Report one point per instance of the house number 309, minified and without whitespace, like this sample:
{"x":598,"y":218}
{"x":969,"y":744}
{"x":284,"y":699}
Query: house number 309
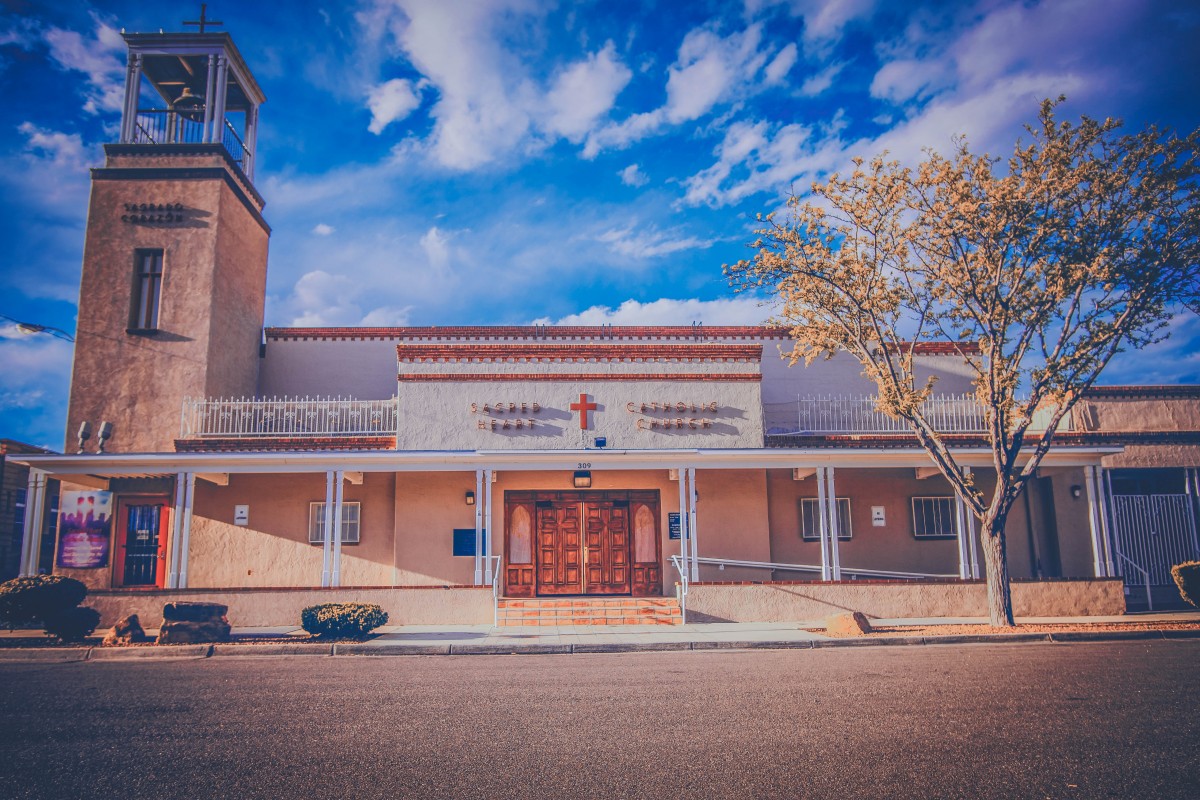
{"x":584,"y":465}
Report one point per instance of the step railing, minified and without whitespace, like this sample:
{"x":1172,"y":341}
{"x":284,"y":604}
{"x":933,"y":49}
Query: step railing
{"x":681,"y":588}
{"x":495,"y":590}
{"x":1145,"y":579}
{"x":721,"y":563}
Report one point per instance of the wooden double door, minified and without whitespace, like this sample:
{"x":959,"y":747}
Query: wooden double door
{"x":582,"y":543}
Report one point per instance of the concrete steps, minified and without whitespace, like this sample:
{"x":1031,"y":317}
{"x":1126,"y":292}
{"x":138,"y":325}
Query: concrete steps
{"x":591,"y":611}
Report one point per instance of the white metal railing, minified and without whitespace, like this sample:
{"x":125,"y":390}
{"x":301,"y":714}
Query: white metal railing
{"x":163,"y":126}
{"x":721,"y":563}
{"x":681,"y":588}
{"x":1155,"y":531}
{"x":308,"y":416}
{"x":1145,"y":579}
{"x":495,"y":591}
{"x":860,"y":414}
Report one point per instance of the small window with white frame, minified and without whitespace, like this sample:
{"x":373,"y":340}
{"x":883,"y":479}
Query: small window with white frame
{"x":810,"y":519}
{"x":351,"y":513}
{"x":933,"y":517}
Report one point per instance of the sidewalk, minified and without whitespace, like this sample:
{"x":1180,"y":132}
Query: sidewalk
{"x":485,"y":639}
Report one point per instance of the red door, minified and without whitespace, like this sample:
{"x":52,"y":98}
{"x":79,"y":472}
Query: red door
{"x":141,"y":555}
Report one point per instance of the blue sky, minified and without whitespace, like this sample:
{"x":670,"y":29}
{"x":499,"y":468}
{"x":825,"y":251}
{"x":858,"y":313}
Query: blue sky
{"x":513,"y":161}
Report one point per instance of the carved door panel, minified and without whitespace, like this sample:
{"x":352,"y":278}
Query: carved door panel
{"x":559,"y":548}
{"x":518,"y":550}
{"x":647,"y":547}
{"x":606,"y":547}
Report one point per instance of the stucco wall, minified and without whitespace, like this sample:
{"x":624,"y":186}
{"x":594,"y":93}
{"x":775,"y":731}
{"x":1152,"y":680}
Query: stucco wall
{"x":813,"y":601}
{"x":439,"y":415}
{"x":138,"y":382}
{"x":276,"y":607}
{"x":273,"y":550}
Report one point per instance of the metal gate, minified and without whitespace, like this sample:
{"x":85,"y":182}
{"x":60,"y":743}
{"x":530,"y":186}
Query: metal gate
{"x":1155,"y":532}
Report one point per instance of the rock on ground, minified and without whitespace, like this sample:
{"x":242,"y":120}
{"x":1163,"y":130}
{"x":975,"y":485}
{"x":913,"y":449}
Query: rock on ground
{"x":854,"y":624}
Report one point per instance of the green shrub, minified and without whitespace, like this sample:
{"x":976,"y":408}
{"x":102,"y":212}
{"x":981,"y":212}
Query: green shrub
{"x":24,"y":601}
{"x":1187,"y":578}
{"x":73,"y":624}
{"x":353,"y":620}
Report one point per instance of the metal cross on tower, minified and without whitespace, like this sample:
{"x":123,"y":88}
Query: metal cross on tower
{"x":204,"y":20}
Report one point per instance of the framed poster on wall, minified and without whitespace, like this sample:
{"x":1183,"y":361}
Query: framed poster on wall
{"x":84,"y":529}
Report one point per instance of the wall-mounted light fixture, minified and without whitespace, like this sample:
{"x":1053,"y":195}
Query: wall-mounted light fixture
{"x":103,"y":435}
{"x":470,"y":496}
{"x":1077,"y":491}
{"x":85,"y":433}
{"x":583,"y":479}
{"x":601,"y":441}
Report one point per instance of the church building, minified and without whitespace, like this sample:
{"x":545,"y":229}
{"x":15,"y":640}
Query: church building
{"x":480,"y":474}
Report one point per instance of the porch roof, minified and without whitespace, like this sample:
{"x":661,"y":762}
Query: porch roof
{"x":106,"y":465}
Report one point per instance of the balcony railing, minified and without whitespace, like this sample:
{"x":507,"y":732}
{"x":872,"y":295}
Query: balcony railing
{"x":160,"y":126}
{"x":291,"y":417}
{"x":832,"y":414}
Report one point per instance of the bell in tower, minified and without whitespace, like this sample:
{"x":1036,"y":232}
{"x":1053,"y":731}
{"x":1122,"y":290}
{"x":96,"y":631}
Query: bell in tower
{"x":175,"y":256}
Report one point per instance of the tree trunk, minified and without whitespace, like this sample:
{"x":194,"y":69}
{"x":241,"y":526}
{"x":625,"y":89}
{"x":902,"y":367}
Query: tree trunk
{"x":999,"y":595}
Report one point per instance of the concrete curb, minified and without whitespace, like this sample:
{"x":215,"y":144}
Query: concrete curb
{"x":62,"y":655}
{"x":156,"y":652}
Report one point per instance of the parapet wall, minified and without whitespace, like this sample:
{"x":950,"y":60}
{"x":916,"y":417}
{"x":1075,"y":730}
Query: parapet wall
{"x":423,"y":605}
{"x":793,"y":602}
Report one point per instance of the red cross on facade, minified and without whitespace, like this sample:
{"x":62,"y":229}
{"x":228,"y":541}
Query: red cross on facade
{"x":583,"y":407}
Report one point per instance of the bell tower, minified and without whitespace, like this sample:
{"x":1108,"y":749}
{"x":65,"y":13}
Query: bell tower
{"x":175,"y":255}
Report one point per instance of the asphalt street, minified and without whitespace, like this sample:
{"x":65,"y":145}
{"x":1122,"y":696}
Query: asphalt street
{"x":972,"y":721}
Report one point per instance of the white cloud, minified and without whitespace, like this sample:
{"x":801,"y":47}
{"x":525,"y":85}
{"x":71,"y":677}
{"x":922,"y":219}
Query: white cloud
{"x":817,"y":83}
{"x":731,"y":311}
{"x":60,"y":150}
{"x":633,"y":176}
{"x":100,"y":57}
{"x":709,"y":70}
{"x":824,"y":20}
{"x":648,"y":243}
{"x":585,"y":92}
{"x":436,"y":245}
{"x":781,"y":64}
{"x":386,"y":317}
{"x":37,"y":374}
{"x":391,"y":101}
{"x":321,"y":229}
{"x":489,"y":107}
{"x":320,"y":299}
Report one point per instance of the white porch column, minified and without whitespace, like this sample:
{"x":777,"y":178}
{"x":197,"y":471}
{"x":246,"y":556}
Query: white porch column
{"x":209,"y":89}
{"x":480,"y":502}
{"x":327,"y":533}
{"x":1106,"y":529}
{"x":133,"y":85}
{"x":222,"y":84}
{"x":1095,"y":520}
{"x":692,"y":527}
{"x":487,"y":528}
{"x":251,"y":141}
{"x":683,"y":528}
{"x":189,"y":494}
{"x":823,"y":527}
{"x":31,"y":539}
{"x":173,"y":550}
{"x":972,"y":536}
{"x":335,"y":577}
{"x":835,"y":555}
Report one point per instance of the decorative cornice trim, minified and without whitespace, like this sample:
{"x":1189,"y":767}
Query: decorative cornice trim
{"x":571,"y":377}
{"x":628,"y":351}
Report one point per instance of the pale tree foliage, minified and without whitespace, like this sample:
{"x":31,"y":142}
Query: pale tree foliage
{"x":1037,"y":271}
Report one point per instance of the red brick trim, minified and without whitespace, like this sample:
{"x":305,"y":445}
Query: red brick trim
{"x":271,"y":444}
{"x":1063,"y":439}
{"x":1142,"y":392}
{"x":525,"y":351}
{"x":260,"y":589}
{"x":565,"y":377}
{"x":546,"y":332}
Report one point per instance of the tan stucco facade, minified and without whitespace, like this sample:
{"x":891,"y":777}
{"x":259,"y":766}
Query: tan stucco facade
{"x":212,"y":295}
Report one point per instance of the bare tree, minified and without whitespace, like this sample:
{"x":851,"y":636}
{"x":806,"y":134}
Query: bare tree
{"x":1085,"y":246}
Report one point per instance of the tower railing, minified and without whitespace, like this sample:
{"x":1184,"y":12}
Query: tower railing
{"x":283,"y":416}
{"x":163,"y":126}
